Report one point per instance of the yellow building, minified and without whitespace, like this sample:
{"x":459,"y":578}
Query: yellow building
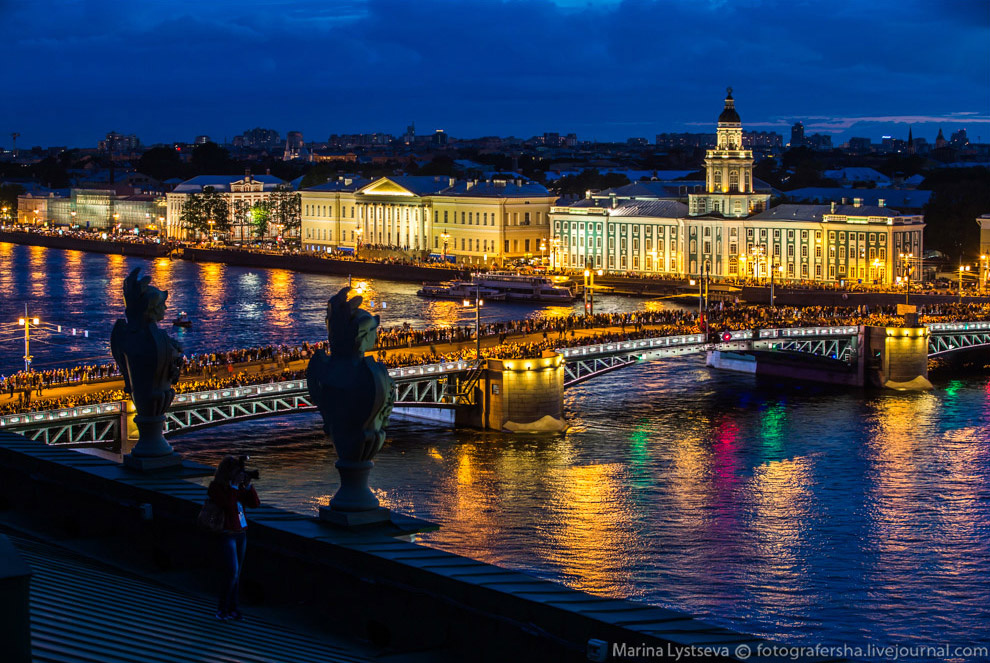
{"x":470,"y":221}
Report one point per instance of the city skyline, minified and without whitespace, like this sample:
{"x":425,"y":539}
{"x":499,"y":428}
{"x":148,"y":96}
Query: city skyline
{"x":606,"y":70}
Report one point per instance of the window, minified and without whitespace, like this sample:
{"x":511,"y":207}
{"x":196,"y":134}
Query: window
{"x":506,"y":246}
{"x":445,"y":216}
{"x":776,"y":234}
{"x":818,"y":253}
{"x":804,"y":250}
{"x":470,"y":218}
{"x":708,"y":247}
{"x":462,"y":218}
{"x":526,"y":219}
{"x":611,"y":262}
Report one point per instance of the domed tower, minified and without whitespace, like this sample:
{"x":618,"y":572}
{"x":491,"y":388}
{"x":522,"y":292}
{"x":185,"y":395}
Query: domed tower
{"x":728,"y":172}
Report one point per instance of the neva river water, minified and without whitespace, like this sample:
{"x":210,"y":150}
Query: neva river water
{"x":802,"y":513}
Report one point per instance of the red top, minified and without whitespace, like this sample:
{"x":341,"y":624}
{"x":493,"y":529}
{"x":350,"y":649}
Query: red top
{"x":227,"y":497}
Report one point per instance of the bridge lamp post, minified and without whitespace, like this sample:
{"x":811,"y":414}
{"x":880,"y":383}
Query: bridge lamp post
{"x":26,"y":322}
{"x":907,"y":268}
{"x":478,"y":303}
{"x":877,"y":268}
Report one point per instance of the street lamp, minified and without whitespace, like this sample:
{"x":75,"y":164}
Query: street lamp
{"x":983,"y":272}
{"x":211,"y":222}
{"x":555,"y":253}
{"x":26,"y":322}
{"x":773,"y":269}
{"x":877,"y":271}
{"x":907,"y":268}
{"x":589,"y":290}
{"x":444,"y":237}
{"x":962,"y":269}
{"x":478,"y":303}
{"x":357,"y":248}
{"x":73,"y":215}
{"x":742,"y":266}
{"x":543,"y":251}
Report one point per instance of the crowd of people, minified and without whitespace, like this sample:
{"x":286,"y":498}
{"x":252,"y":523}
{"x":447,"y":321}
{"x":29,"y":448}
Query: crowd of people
{"x":218,"y":370}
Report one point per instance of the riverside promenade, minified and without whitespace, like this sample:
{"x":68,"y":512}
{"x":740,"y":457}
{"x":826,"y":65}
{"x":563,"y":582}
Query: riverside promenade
{"x":365,"y":590}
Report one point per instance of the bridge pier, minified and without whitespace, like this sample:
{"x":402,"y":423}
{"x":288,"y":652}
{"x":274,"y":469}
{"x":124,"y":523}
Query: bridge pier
{"x":789,"y":366}
{"x":898,"y":358}
{"x":518,"y":395}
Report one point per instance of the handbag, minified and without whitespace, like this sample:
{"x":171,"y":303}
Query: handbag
{"x":211,"y":517}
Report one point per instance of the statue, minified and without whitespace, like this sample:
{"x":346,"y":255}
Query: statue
{"x":150,"y":361}
{"x":354,"y":394}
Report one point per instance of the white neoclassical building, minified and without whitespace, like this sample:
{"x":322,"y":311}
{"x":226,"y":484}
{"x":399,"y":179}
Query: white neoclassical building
{"x":248,"y":189}
{"x":726,"y":230}
{"x":472,"y":221}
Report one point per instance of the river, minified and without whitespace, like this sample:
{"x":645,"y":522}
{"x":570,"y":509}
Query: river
{"x":810,"y":515}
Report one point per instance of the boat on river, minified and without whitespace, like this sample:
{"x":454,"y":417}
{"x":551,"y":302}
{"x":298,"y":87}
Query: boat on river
{"x":182,"y":320}
{"x":497,"y":286}
{"x":459,"y":290}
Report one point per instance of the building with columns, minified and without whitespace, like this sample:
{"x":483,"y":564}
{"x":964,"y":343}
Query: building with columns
{"x":469,"y":221}
{"x":726,"y":231}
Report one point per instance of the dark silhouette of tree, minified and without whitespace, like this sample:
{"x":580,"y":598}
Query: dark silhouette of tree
{"x":589,"y":179}
{"x":162,"y":163}
{"x":8,"y":198}
{"x":211,"y":159}
{"x":959,"y":196}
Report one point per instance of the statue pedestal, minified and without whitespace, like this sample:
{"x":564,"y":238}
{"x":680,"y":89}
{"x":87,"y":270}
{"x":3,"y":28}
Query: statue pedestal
{"x":354,"y":518}
{"x":152,"y":451}
{"x":150,"y":464}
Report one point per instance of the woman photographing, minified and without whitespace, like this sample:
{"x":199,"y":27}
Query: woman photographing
{"x":231,"y":490}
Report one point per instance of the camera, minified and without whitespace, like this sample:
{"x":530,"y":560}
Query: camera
{"x":252,"y":475}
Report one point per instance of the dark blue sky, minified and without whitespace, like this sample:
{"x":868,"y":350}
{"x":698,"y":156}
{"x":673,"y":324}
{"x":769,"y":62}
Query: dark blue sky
{"x":607,"y":69}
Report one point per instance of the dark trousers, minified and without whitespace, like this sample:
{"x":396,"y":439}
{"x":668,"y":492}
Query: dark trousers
{"x":232,"y":549}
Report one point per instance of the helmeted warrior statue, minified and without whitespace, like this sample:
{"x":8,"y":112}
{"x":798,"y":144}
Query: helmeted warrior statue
{"x":150,"y":361}
{"x":354,"y":394}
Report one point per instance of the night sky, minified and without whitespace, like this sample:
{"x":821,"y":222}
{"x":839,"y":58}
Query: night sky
{"x":604,"y":69}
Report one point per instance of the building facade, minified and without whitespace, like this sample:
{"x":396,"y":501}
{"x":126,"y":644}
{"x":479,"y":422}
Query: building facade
{"x":99,"y":209}
{"x":240,"y":192}
{"x":726,"y":231}
{"x":469,"y":221}
{"x":728,"y":172}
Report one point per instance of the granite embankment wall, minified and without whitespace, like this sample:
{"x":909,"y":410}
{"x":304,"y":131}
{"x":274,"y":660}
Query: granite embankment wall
{"x":367,"y":583}
{"x":81,"y":244}
{"x":318,"y":265}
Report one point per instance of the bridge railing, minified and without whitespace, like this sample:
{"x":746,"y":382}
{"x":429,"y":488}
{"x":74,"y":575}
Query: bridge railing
{"x":430,"y":370}
{"x":63,"y":415}
{"x":633,"y":345}
{"x":958,"y":326}
{"x":801,"y":332}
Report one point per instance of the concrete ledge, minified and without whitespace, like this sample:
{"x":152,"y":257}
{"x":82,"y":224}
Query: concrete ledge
{"x":369,"y":583}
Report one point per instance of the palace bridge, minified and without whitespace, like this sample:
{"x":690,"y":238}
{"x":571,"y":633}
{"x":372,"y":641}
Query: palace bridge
{"x":839,"y":355}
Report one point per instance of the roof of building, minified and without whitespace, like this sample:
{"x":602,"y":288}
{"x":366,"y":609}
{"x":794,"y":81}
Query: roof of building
{"x":856,"y":174}
{"x":653,"y":189}
{"x":421,"y":185}
{"x":341,"y":184}
{"x":667,"y":209}
{"x":222,"y":182}
{"x":729,"y":113}
{"x":909,"y":198}
{"x":791,"y":212}
{"x":497,"y":188}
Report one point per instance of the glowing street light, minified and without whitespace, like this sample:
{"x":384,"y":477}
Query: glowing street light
{"x":444,"y":237}
{"x":478,"y":303}
{"x":907,"y":267}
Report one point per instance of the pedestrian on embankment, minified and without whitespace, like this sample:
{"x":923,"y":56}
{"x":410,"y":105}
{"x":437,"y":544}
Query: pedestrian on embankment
{"x":232,"y":491}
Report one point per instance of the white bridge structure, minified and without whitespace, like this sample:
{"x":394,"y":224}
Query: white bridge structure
{"x":452,"y":384}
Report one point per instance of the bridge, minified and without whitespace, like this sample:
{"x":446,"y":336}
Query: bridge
{"x":453,"y":385}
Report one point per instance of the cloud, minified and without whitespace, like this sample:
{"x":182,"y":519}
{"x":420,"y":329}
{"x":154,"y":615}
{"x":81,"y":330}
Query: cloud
{"x":171,"y":70}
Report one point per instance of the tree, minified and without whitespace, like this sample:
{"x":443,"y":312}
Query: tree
{"x":589,"y":179}
{"x":260,"y":214}
{"x":211,"y":159}
{"x":959,"y":196}
{"x":162,"y":163}
{"x":8,"y":199}
{"x":285,"y":208}
{"x":199,"y":209}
